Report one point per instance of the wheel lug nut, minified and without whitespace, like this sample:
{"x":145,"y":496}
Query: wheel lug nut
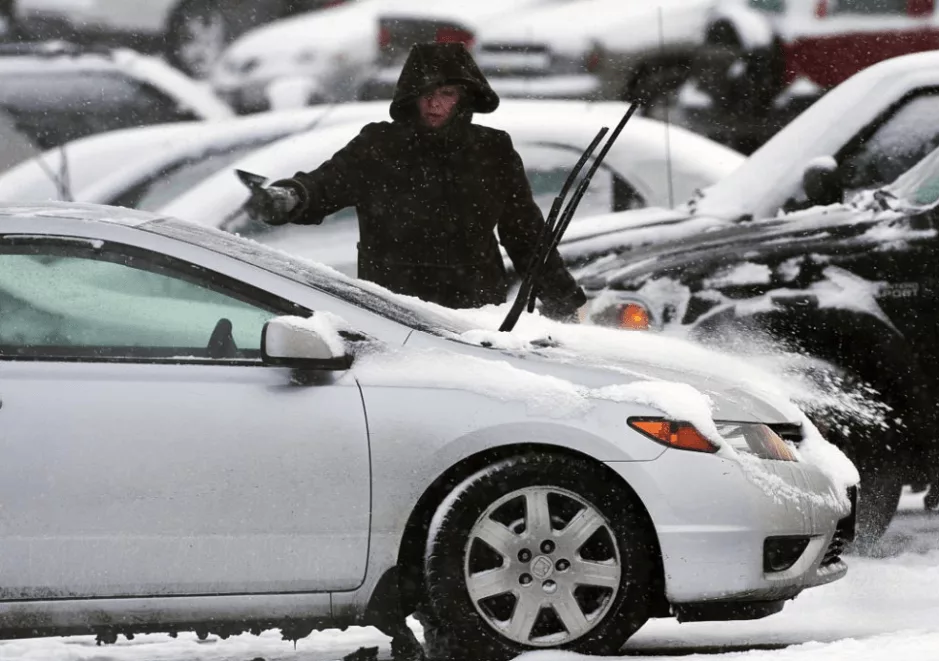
{"x":563,"y":565}
{"x":550,"y":587}
{"x":547,"y":546}
{"x":525,"y":579}
{"x":524,"y":555}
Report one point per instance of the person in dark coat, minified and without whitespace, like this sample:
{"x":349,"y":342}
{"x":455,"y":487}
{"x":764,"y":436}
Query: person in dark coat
{"x":429,"y":188}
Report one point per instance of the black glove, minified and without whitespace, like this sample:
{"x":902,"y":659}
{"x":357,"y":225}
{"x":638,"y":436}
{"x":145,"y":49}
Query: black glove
{"x":272,"y":205}
{"x":564,"y":309}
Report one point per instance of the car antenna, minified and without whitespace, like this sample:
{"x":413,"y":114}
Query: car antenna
{"x":558,"y":222}
{"x":65,"y":176}
{"x":61,"y":180}
{"x":668,"y":123}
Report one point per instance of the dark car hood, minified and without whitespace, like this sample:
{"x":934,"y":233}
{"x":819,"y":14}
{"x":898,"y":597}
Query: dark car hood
{"x":659,"y":249}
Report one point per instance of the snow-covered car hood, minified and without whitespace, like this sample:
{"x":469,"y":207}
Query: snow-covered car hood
{"x":600,"y":362}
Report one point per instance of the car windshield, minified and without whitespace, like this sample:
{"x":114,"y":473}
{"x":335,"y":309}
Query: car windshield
{"x":371,"y":297}
{"x":920,"y":185}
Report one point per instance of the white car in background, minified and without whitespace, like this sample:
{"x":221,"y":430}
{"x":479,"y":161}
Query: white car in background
{"x":192,"y":33}
{"x":560,"y":50}
{"x":144,"y":168}
{"x":442,"y":21}
{"x":329,"y":55}
{"x":640,"y":170}
{"x":58,"y":92}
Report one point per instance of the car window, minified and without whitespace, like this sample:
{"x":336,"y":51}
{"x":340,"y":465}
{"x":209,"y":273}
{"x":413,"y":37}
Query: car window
{"x":547,"y":167}
{"x":898,"y":144}
{"x":159,"y":190}
{"x":869,"y":6}
{"x":114,"y":306}
{"x":54,"y":108}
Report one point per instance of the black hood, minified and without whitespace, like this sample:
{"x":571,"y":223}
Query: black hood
{"x":432,"y":65}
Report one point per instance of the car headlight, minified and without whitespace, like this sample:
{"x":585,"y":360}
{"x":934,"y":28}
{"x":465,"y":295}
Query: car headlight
{"x":620,"y":311}
{"x":756,"y":439}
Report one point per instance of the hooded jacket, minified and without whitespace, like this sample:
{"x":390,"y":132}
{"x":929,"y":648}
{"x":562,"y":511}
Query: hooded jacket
{"x":428,"y":200}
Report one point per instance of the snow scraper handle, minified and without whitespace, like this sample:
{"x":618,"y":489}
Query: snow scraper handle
{"x":547,"y":232}
{"x":556,"y":225}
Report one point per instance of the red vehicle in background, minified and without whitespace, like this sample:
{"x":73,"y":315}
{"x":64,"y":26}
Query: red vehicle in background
{"x":764,"y":61}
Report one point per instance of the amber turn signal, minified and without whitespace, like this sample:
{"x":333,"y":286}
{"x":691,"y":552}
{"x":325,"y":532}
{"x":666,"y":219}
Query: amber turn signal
{"x":679,"y":435}
{"x":634,"y":316}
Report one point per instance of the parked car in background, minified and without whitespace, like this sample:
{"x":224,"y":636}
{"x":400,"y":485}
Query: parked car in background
{"x":477,"y":489}
{"x":764,"y":61}
{"x":191,"y":33}
{"x":853,"y":285}
{"x":550,"y":137}
{"x":331,"y":55}
{"x":57,"y":92}
{"x":146,"y":167}
{"x":875,"y":125}
{"x":446,"y":21}
{"x":558,"y":50}
{"x":302,"y":60}
{"x":735,"y":70}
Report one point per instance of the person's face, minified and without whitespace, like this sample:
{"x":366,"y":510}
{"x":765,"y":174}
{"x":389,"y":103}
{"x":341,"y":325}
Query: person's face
{"x":438,"y":105}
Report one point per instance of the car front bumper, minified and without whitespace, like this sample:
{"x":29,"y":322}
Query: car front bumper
{"x":713,"y":516}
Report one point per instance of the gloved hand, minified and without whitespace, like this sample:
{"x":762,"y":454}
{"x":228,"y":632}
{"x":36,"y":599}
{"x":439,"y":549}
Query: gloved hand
{"x":272,"y":205}
{"x":564,"y":309}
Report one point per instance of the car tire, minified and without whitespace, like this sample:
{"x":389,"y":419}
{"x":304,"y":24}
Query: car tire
{"x":549,"y":597}
{"x":198,"y":34}
{"x":880,"y":498}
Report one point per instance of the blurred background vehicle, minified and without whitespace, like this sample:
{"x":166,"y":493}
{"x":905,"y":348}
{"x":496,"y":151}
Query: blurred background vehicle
{"x":549,"y":137}
{"x":442,"y":22}
{"x":146,"y":167}
{"x":52,"y":93}
{"x":191,"y":33}
{"x":764,"y":61}
{"x":345,"y":53}
{"x":874,"y":126}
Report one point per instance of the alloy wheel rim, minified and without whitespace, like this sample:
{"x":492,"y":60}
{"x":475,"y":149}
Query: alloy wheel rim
{"x":542,"y":566}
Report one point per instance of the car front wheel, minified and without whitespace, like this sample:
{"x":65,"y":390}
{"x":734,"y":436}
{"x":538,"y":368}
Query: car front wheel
{"x":538,"y":552}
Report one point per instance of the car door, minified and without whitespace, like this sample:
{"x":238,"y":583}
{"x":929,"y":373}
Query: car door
{"x":146,"y":450}
{"x":844,"y":37}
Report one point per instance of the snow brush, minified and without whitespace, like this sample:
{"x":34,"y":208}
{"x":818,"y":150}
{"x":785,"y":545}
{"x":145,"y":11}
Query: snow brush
{"x":558,"y":221}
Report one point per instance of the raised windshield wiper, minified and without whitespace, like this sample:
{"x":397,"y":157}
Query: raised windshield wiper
{"x":558,"y":221}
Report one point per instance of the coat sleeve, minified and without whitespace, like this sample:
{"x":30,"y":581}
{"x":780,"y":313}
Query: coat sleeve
{"x":336,"y":184}
{"x":520,"y":226}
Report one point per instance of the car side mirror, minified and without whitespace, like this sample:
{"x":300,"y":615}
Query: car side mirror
{"x":822,"y":182}
{"x":301,"y":343}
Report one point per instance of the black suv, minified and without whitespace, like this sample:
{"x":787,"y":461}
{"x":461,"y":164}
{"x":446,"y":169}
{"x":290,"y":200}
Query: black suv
{"x":853,"y":285}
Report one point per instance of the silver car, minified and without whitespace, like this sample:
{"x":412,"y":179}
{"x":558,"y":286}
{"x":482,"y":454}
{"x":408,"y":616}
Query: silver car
{"x":202,"y":433}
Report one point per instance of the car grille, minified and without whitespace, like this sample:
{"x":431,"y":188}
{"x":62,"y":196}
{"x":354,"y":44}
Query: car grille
{"x":844,"y":533}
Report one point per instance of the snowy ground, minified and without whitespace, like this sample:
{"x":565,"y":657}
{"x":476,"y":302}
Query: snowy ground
{"x":885,"y":609}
